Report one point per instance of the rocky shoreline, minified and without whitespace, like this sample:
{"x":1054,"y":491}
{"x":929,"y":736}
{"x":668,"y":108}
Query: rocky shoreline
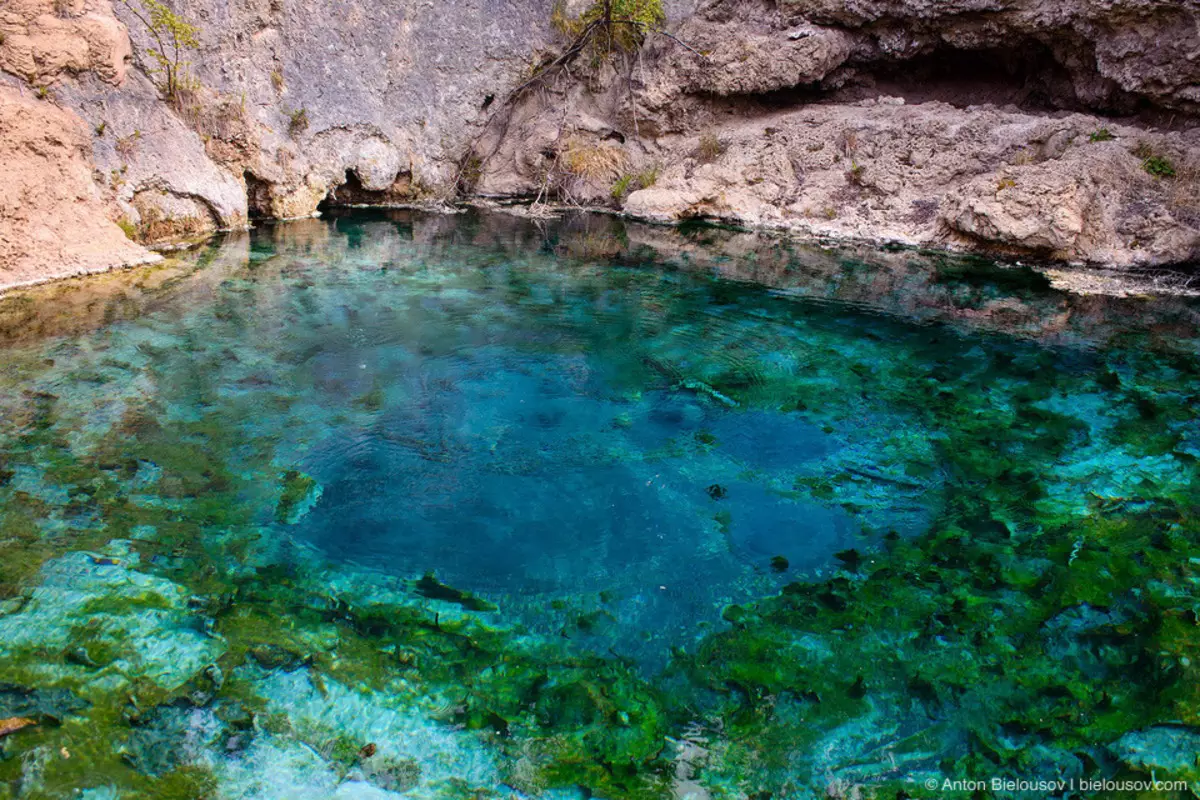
{"x":1039,"y":131}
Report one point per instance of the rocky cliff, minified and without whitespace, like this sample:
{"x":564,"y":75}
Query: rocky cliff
{"x":282,"y":104}
{"x":1044,"y":128}
{"x":1055,"y":130}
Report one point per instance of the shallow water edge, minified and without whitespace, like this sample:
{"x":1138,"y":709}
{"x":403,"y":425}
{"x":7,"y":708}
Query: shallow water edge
{"x":405,"y":505}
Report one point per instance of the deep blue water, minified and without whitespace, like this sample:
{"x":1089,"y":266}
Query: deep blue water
{"x":596,"y":436}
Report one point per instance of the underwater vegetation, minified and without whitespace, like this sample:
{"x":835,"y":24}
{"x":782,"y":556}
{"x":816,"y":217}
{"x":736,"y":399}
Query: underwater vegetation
{"x":403,"y":505}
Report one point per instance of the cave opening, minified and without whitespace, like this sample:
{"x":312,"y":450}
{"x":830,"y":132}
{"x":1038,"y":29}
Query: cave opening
{"x":1026,"y":75}
{"x":258,"y":196}
{"x":351,"y":192}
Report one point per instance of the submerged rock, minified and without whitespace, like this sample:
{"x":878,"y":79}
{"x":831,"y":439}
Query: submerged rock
{"x":429,"y":586}
{"x":1164,"y":750}
{"x":133,"y":626}
{"x":298,"y":494}
{"x":14,"y":724}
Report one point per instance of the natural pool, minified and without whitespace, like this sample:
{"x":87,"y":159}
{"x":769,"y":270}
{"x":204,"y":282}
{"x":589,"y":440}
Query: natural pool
{"x":405,"y":505}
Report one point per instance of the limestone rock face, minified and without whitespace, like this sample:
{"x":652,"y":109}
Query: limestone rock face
{"x":45,"y":39}
{"x":739,"y":61}
{"x":1104,"y":56}
{"x":54,"y":220}
{"x":1055,"y":128}
{"x":284,"y":103}
{"x":1141,"y":47}
{"x":1042,"y":128}
{"x":933,"y":174}
{"x":379,"y":97}
{"x":154,"y":164}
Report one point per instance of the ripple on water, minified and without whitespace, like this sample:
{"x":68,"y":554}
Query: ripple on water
{"x":611,"y":455}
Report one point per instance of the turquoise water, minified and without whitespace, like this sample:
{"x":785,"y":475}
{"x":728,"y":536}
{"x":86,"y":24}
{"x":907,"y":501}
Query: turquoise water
{"x":404,"y":505}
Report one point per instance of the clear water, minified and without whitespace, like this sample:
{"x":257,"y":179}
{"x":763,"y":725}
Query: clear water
{"x":585,"y":507}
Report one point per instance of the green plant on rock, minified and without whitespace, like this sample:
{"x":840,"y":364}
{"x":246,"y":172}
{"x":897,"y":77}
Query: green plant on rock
{"x":298,"y":121}
{"x":631,"y":182}
{"x":609,"y":26}
{"x":1102,"y":135}
{"x":126,"y":144}
{"x":856,"y":174}
{"x":1155,"y":164}
{"x":128,"y":228}
{"x":173,"y":37}
{"x":709,"y":148}
{"x":1159,"y":167}
{"x":622,"y":187}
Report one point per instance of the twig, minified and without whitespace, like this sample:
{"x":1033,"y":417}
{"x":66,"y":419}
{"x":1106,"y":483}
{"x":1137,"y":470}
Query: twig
{"x":662,"y":32}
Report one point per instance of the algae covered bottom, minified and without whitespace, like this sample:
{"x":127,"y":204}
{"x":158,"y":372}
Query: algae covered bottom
{"x":401,"y":505}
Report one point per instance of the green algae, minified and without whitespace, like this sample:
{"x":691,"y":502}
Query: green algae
{"x":1022,"y":633}
{"x":942,"y":628}
{"x":299,"y":492}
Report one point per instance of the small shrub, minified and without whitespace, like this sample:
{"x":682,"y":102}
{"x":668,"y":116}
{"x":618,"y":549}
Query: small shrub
{"x":173,"y":36}
{"x":1159,"y":167}
{"x":277,"y":80}
{"x":710,"y":148}
{"x":856,"y":174}
{"x":1005,"y":183}
{"x":591,"y":162}
{"x":298,"y":121}
{"x":101,"y":128}
{"x":130,"y":230}
{"x":42,"y":92}
{"x":126,"y":144}
{"x":1102,"y":135}
{"x":633,"y":181}
{"x":63,"y":8}
{"x":621,"y":187}
{"x":611,"y":25}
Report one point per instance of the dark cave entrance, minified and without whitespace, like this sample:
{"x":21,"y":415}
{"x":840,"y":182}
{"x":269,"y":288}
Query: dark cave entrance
{"x":350,"y":192}
{"x":258,"y":196}
{"x":1026,"y":75}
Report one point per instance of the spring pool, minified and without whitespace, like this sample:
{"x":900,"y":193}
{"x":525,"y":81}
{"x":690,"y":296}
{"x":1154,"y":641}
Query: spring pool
{"x":394,"y":504}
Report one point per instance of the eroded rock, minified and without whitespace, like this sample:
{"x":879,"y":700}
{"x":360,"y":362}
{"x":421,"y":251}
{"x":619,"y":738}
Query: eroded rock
{"x":54,"y":219}
{"x":933,"y":174}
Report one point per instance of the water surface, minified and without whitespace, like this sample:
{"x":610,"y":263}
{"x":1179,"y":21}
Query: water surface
{"x":433,"y":506}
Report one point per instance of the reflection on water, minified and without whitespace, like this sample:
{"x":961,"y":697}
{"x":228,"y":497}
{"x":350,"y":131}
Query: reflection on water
{"x":412,"y":505}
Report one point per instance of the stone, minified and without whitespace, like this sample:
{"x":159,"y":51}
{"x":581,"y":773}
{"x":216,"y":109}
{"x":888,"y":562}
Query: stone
{"x":54,"y":220}
{"x":962,"y":124}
